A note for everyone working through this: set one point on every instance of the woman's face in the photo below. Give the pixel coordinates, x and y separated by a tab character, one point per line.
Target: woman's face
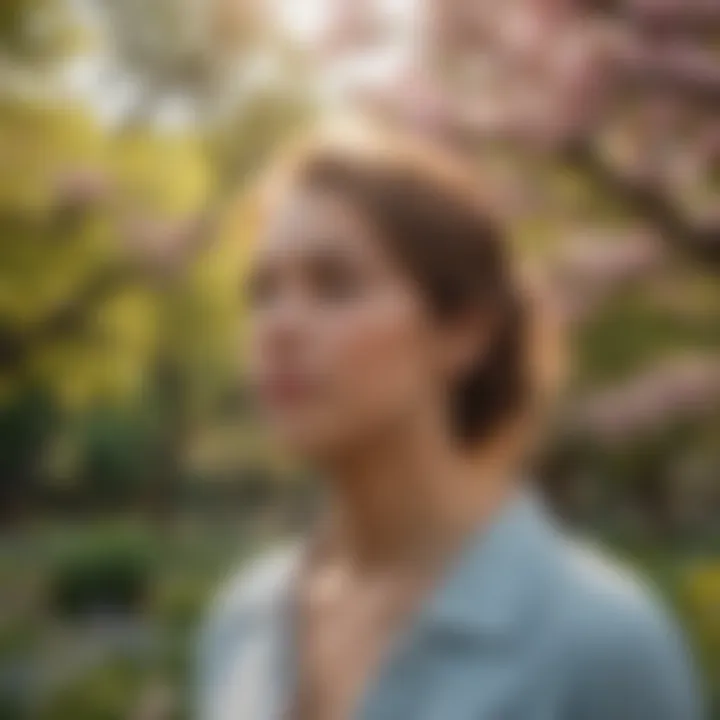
343	348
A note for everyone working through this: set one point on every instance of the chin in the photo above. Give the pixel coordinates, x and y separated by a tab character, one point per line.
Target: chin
304	443
314	446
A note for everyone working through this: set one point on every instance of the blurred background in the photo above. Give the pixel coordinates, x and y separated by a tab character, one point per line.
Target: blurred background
133	475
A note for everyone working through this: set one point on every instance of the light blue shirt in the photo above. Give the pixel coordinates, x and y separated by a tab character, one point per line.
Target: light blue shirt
528	625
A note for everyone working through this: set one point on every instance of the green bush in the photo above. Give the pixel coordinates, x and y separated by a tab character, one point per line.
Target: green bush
109	692
11	705
109	571
17	637
178	602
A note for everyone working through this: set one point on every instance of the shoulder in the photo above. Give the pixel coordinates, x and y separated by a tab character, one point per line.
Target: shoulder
601	594
257	585
252	593
624	651
609	606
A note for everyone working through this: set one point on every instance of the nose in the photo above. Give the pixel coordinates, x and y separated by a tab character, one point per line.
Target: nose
286	327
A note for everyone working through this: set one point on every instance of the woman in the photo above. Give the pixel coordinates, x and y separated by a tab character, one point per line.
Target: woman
392	349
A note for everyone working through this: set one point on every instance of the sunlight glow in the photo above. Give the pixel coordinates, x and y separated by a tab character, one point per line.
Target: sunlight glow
304	20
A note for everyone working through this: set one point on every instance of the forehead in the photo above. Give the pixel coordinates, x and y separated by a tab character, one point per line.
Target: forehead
306	219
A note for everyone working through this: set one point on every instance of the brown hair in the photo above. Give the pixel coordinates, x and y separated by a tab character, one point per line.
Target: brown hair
428	208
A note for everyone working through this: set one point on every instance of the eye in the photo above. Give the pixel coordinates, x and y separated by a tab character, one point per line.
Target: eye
261	288
335	277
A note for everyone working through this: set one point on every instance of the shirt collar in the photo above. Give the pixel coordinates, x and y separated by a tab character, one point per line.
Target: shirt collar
494	583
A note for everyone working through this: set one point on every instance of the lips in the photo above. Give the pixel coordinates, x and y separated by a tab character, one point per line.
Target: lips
286	388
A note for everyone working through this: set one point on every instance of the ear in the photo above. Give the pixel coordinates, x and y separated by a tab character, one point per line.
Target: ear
464	341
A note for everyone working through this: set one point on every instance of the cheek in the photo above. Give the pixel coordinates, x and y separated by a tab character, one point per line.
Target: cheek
381	358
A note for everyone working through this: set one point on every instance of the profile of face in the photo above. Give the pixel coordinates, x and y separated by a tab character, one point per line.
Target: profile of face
343	346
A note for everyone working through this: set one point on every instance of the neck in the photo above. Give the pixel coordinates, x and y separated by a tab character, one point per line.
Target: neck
408	498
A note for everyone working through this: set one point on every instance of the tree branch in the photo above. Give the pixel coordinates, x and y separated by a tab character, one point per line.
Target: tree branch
648	203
